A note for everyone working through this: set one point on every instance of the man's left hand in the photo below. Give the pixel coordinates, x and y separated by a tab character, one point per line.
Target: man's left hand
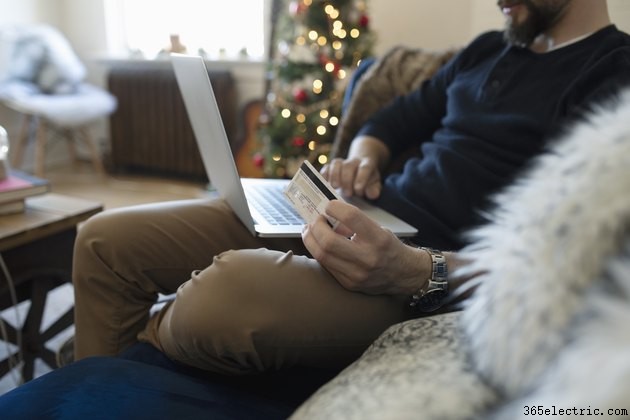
363	256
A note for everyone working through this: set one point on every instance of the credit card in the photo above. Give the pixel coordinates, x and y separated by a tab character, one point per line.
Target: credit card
309	193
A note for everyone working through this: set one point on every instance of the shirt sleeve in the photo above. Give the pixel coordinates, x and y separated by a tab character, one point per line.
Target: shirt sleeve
411	119
607	78
600	84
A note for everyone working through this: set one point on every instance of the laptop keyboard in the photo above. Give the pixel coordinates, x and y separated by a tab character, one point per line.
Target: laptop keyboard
270	202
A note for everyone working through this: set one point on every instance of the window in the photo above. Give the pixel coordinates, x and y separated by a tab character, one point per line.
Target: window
223	29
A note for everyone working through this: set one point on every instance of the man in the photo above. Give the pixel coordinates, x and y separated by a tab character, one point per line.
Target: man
256	304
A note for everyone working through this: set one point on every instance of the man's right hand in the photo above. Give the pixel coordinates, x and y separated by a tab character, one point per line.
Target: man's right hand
354	176
360	173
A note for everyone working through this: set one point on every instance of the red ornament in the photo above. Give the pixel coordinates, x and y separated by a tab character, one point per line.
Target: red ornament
298	141
296	8
364	21
259	160
300	96
337	67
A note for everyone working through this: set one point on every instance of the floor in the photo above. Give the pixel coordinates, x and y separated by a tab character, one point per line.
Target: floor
113	191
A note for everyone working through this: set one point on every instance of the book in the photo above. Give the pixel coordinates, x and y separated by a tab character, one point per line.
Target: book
12	207
19	185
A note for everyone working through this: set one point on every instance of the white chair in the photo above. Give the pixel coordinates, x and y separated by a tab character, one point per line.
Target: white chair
43	79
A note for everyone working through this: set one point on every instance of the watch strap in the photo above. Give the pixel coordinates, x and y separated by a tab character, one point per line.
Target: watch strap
434	290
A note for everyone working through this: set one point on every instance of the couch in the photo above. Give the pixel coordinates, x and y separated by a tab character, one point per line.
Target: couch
545	332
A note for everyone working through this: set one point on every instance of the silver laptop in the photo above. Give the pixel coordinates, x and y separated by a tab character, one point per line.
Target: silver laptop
258	203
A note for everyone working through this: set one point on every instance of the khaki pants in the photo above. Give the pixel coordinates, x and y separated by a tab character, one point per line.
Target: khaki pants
243	304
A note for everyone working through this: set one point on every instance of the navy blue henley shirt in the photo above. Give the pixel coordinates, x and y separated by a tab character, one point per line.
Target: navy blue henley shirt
481	118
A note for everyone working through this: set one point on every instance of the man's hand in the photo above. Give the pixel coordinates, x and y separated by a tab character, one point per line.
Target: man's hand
354	176
363	256
360	173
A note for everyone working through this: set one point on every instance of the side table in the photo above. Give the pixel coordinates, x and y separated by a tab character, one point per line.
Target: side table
37	247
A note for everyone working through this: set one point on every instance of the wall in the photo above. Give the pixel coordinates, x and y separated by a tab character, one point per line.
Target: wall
424	23
26	11
431	24
620	13
442	24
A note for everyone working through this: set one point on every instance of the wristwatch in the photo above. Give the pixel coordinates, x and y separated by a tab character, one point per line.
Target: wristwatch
433	293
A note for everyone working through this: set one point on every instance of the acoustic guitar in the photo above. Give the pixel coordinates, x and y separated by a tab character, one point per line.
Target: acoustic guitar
245	155
248	146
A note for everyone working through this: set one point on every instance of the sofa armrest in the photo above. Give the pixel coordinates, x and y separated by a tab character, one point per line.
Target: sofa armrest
396	73
415	369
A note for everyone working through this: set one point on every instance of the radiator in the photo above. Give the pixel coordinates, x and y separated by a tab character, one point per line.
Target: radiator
150	130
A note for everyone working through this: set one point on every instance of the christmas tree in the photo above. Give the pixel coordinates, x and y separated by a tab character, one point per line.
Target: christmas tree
318	43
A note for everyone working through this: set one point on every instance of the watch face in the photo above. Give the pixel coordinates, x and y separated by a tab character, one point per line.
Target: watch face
432	300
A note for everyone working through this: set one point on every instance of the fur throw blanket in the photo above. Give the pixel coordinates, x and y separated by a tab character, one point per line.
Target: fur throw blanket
548	317
396	73
547	327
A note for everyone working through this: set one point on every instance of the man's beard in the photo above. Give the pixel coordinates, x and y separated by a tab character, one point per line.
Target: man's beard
541	16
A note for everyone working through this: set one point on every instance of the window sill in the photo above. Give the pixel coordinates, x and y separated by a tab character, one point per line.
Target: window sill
211	62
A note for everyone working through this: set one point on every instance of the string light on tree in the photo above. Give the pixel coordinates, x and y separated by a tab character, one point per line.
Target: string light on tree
319	43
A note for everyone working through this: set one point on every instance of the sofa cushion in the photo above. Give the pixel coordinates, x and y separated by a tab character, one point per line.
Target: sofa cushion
398	72
415	369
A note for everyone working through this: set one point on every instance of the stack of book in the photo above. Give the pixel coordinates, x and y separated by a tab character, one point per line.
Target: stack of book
16	187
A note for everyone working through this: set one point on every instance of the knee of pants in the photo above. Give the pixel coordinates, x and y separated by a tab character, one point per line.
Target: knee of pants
227	311
117	222
120	234
224	295
96	229
107	226
103	241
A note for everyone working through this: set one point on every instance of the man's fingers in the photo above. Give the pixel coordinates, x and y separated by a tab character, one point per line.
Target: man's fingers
328	247
373	190
344	231
354	176
325	171
348	177
352	218
366	176
333	173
